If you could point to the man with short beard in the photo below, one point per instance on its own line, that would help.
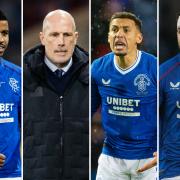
(124, 83)
(170, 116)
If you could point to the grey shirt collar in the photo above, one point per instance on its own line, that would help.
(53, 67)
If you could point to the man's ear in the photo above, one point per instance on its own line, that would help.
(108, 38)
(139, 38)
(76, 36)
(41, 37)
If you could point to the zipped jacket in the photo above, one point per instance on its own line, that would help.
(56, 127)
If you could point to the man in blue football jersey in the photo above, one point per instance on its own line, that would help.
(10, 106)
(170, 116)
(124, 83)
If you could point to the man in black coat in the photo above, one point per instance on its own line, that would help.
(56, 104)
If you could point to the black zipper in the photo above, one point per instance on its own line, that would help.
(62, 133)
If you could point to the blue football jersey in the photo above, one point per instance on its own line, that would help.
(10, 110)
(170, 118)
(128, 101)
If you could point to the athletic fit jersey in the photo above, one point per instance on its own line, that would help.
(10, 102)
(170, 118)
(128, 105)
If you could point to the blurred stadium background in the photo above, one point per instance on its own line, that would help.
(35, 11)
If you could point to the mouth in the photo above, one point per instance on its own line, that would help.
(2, 47)
(119, 45)
(60, 52)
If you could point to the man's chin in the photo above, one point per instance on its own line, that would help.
(61, 62)
(120, 53)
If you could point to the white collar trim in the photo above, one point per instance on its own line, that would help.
(125, 71)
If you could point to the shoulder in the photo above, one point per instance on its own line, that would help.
(84, 75)
(102, 61)
(34, 54)
(148, 57)
(149, 62)
(9, 67)
(168, 66)
(80, 54)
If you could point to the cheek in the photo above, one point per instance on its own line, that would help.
(178, 36)
(70, 43)
(50, 41)
(110, 39)
(7, 39)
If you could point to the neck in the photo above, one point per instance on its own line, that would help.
(126, 61)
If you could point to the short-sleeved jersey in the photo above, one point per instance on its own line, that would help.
(128, 101)
(170, 118)
(10, 105)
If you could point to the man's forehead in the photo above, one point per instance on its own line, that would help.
(61, 25)
(3, 22)
(4, 25)
(122, 22)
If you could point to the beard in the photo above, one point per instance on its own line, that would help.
(120, 53)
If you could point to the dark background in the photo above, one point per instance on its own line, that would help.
(36, 10)
(168, 45)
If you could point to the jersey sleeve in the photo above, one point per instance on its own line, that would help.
(95, 96)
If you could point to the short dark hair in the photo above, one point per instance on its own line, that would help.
(127, 15)
(2, 16)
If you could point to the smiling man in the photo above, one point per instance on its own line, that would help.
(56, 103)
(124, 84)
(10, 110)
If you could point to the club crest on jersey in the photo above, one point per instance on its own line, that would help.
(174, 86)
(106, 82)
(14, 84)
(142, 81)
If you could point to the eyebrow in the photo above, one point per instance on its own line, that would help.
(120, 26)
(5, 31)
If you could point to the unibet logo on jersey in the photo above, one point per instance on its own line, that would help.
(5, 112)
(123, 106)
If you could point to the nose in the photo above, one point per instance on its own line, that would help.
(61, 40)
(120, 33)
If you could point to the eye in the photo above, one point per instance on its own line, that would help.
(126, 29)
(5, 33)
(67, 34)
(54, 34)
(114, 29)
